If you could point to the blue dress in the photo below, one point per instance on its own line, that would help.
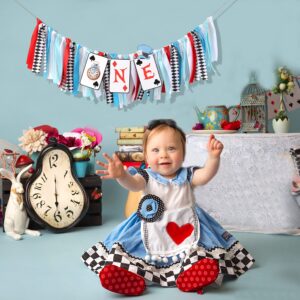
(168, 234)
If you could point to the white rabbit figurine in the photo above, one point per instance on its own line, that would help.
(16, 220)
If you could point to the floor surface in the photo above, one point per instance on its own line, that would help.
(49, 268)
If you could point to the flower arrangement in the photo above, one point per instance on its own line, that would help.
(285, 84)
(81, 141)
(85, 140)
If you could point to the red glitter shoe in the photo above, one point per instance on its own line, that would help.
(121, 281)
(201, 274)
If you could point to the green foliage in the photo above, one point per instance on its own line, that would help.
(281, 116)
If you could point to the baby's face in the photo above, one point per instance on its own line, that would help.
(164, 152)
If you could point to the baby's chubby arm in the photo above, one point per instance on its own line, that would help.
(114, 169)
(205, 174)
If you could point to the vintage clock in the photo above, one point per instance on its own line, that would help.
(54, 197)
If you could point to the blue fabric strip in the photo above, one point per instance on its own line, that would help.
(76, 70)
(58, 60)
(163, 72)
(48, 43)
(185, 65)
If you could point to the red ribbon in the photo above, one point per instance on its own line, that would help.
(135, 90)
(168, 53)
(65, 62)
(194, 58)
(30, 55)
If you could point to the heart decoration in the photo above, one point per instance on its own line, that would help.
(179, 233)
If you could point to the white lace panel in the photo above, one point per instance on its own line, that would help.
(251, 191)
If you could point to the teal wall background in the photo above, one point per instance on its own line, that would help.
(254, 36)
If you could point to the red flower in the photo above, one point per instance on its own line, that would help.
(47, 129)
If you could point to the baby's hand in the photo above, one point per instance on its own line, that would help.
(114, 169)
(214, 146)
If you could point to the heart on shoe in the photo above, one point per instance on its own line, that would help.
(179, 233)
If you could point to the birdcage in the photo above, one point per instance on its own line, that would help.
(254, 107)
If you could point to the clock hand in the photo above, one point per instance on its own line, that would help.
(55, 193)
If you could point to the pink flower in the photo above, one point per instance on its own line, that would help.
(92, 134)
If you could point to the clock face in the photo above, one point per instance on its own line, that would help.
(55, 196)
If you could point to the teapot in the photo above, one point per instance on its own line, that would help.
(214, 115)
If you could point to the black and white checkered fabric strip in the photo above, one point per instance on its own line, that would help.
(68, 84)
(109, 95)
(295, 154)
(175, 69)
(140, 95)
(40, 50)
(45, 64)
(233, 262)
(201, 70)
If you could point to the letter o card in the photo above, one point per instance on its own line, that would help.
(119, 75)
(93, 71)
(147, 72)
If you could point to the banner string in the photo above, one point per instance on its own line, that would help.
(217, 14)
(25, 8)
(223, 8)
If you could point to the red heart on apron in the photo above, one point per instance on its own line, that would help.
(179, 233)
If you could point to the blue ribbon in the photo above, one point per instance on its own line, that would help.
(48, 43)
(76, 70)
(185, 65)
(58, 60)
(203, 36)
(163, 71)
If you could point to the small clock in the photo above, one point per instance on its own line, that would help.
(54, 197)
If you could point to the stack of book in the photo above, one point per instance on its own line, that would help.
(130, 143)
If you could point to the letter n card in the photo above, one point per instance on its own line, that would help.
(119, 75)
(93, 71)
(147, 72)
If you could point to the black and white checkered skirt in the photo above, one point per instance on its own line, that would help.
(232, 262)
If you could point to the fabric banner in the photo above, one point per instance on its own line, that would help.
(122, 79)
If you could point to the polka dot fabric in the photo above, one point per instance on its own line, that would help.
(201, 274)
(152, 212)
(121, 281)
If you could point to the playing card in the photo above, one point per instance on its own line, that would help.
(93, 71)
(119, 75)
(292, 100)
(273, 103)
(147, 72)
